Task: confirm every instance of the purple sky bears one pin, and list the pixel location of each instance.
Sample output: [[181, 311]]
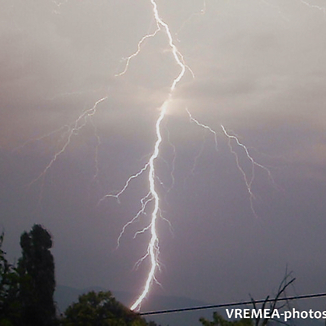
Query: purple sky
[[259, 70]]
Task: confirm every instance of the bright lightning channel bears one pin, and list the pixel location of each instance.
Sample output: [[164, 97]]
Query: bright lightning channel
[[153, 246], [152, 195]]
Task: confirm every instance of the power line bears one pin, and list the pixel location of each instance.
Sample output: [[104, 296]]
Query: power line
[[241, 303]]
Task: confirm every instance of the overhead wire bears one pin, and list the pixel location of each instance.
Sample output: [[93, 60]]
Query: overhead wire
[[240, 303]]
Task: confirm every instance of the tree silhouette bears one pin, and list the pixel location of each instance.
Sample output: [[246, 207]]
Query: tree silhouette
[[37, 280], [273, 305], [101, 309], [26, 292]]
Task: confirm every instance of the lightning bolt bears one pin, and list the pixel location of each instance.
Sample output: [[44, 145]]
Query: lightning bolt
[[152, 195], [153, 246]]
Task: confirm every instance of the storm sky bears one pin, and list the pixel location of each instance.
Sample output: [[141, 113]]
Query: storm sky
[[258, 69]]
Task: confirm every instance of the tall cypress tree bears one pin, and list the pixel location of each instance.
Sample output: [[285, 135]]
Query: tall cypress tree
[[36, 269]]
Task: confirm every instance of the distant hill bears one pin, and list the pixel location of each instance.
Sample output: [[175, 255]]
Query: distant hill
[[65, 295]]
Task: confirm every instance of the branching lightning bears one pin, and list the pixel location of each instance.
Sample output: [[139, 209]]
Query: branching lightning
[[247, 179], [323, 9], [140, 43], [205, 127], [73, 129]]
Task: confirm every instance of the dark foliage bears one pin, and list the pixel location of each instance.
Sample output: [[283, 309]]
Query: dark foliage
[[37, 280], [101, 309], [26, 292]]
